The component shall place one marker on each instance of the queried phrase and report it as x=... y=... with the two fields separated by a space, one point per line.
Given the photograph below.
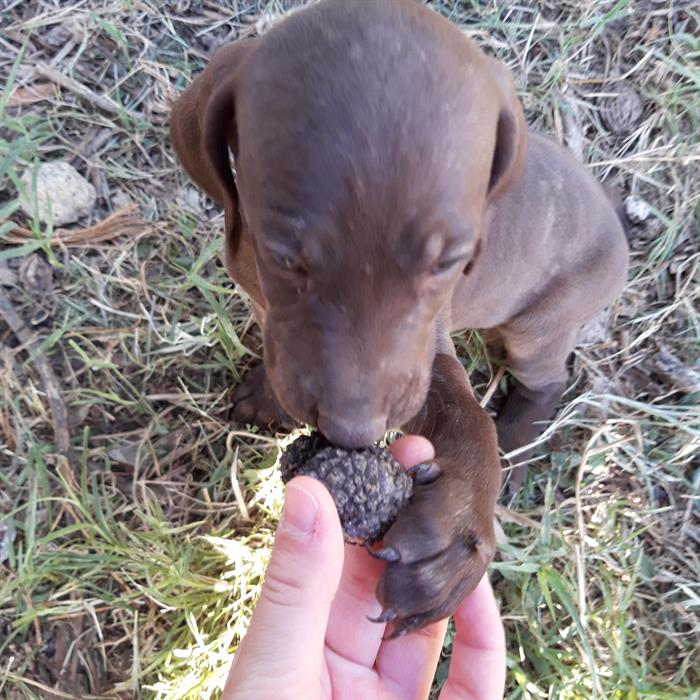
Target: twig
x=92 y=142
x=46 y=374
x=237 y=491
x=580 y=547
x=507 y=515
x=73 y=85
x=30 y=681
x=492 y=387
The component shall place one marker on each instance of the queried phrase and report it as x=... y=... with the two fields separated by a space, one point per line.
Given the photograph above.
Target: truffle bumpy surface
x=369 y=486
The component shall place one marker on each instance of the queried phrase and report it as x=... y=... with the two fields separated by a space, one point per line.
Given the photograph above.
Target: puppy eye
x=446 y=264
x=287 y=260
x=292 y=265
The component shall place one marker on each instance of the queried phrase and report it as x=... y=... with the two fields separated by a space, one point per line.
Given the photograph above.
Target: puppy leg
x=538 y=342
x=254 y=402
x=538 y=364
x=442 y=543
x=540 y=338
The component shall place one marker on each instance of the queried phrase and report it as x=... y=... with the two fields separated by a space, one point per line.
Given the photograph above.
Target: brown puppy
x=387 y=193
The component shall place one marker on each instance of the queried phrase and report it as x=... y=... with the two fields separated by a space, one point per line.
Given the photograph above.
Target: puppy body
x=388 y=193
x=553 y=231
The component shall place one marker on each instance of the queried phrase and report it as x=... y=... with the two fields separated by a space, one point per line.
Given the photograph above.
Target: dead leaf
x=7 y=276
x=128 y=453
x=30 y=94
x=36 y=276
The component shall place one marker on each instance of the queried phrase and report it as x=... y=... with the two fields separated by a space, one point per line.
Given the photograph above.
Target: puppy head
x=367 y=151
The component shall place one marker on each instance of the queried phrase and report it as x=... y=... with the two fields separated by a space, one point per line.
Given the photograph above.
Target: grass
x=130 y=568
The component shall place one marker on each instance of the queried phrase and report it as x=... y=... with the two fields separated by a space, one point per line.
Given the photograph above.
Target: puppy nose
x=351 y=433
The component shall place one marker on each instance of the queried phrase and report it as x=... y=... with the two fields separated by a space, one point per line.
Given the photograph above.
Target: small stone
x=68 y=30
x=7 y=537
x=637 y=210
x=189 y=199
x=621 y=110
x=120 y=199
x=58 y=36
x=62 y=194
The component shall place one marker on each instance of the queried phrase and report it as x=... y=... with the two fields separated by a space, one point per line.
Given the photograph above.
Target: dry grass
x=129 y=567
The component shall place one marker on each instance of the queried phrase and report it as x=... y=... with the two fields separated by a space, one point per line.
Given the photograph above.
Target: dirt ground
x=136 y=519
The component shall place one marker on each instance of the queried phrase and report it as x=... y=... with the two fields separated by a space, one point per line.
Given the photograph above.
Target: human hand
x=310 y=636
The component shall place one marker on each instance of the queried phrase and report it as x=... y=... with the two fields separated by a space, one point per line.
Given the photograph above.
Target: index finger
x=350 y=634
x=478 y=666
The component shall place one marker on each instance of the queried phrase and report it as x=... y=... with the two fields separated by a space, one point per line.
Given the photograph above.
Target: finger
x=412 y=449
x=289 y=622
x=408 y=664
x=350 y=634
x=478 y=666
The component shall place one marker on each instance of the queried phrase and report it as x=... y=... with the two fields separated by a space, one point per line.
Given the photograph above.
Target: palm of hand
x=311 y=636
x=357 y=661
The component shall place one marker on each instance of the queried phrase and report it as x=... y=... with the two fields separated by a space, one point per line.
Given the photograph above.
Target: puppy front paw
x=254 y=403
x=437 y=552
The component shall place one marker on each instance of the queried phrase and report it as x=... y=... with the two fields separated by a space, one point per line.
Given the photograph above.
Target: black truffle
x=369 y=486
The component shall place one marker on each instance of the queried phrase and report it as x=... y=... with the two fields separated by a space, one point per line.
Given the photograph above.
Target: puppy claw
x=385 y=616
x=396 y=632
x=406 y=625
x=388 y=554
x=425 y=472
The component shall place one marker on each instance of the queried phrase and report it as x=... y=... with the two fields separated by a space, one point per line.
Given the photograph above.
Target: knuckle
x=283 y=587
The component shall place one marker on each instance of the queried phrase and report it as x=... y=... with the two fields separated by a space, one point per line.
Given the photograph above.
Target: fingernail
x=300 y=511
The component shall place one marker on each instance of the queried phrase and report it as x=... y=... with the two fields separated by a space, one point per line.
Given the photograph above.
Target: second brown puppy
x=387 y=193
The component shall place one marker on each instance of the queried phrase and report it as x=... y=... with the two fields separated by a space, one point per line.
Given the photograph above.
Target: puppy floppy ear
x=511 y=135
x=203 y=126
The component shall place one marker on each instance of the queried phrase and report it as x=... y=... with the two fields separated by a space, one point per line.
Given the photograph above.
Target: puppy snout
x=351 y=433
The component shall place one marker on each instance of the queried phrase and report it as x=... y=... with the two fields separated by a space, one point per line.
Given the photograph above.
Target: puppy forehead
x=364 y=74
x=337 y=145
x=363 y=120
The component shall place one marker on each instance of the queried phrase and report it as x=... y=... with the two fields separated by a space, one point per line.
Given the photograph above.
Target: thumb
x=288 y=627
